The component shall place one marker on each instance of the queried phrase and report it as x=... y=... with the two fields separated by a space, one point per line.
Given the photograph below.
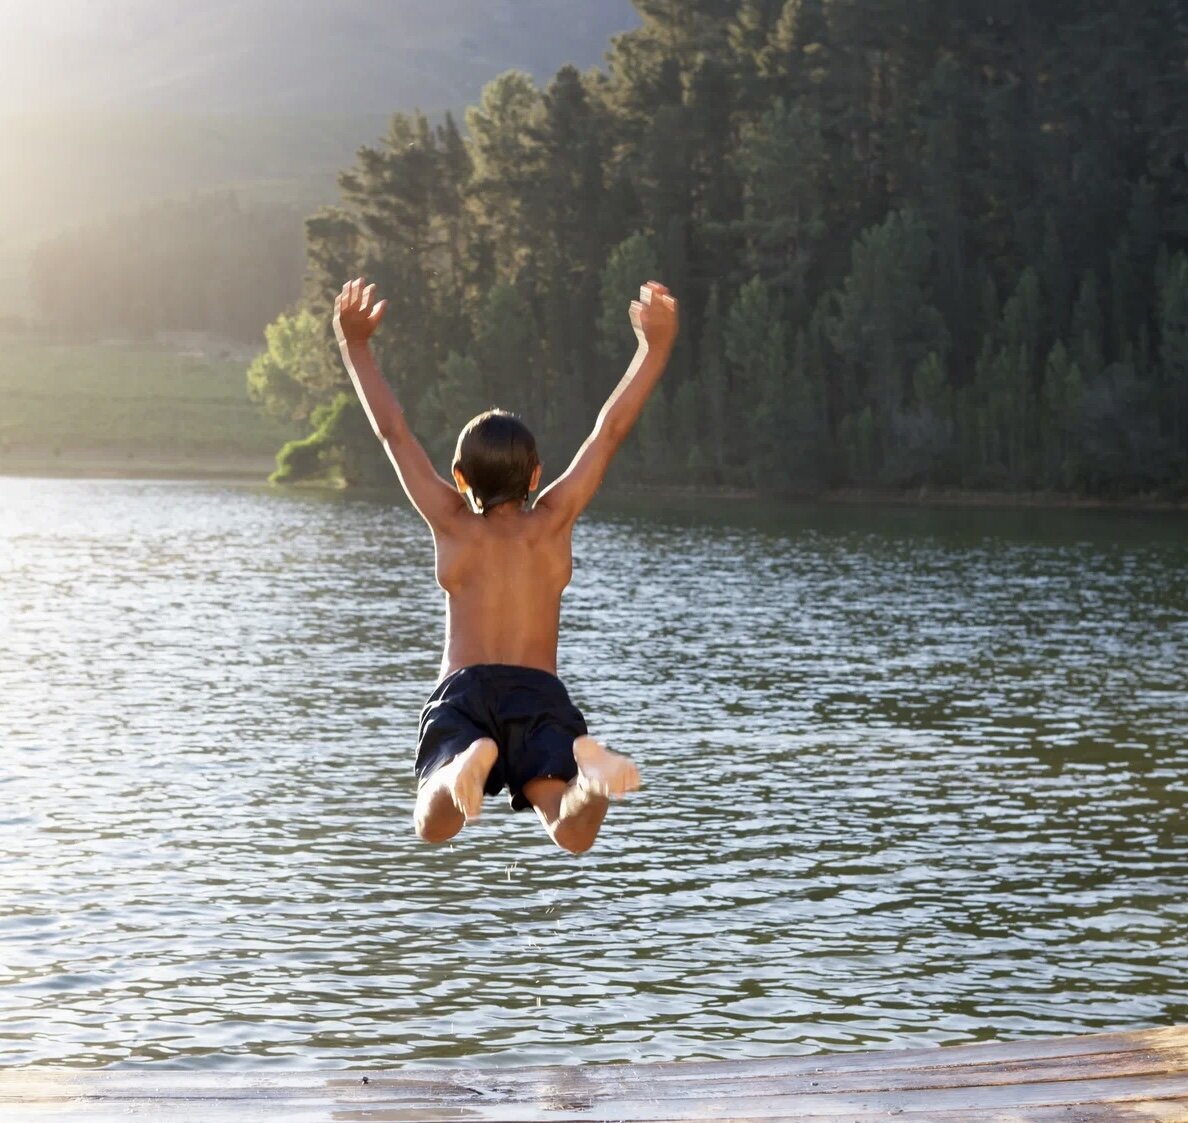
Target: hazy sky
x=290 y=55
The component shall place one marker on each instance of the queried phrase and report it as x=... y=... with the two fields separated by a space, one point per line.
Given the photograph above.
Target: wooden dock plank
x=1162 y=1110
x=1124 y=1078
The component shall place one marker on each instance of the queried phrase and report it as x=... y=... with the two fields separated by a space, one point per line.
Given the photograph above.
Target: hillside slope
x=270 y=99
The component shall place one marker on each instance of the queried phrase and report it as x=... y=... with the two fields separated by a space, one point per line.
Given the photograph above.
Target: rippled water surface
x=910 y=777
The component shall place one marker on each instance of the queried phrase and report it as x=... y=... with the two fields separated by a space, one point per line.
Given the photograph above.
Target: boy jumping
x=499 y=715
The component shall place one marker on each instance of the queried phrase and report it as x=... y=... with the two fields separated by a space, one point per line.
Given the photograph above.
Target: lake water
x=910 y=777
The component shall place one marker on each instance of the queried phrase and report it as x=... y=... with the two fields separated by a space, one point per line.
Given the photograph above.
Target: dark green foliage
x=885 y=324
x=338 y=449
x=916 y=244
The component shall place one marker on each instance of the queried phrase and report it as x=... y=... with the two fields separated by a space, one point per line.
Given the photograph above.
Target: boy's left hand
x=356 y=312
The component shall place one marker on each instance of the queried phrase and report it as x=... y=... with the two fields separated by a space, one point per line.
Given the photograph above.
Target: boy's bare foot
x=603 y=772
x=466 y=774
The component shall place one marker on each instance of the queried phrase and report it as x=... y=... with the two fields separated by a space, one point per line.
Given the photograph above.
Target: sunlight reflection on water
x=909 y=777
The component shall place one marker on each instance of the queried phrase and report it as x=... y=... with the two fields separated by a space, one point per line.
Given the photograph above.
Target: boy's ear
x=460 y=481
x=534 y=483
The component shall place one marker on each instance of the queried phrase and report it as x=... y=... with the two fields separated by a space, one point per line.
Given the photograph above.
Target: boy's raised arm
x=654 y=317
x=356 y=316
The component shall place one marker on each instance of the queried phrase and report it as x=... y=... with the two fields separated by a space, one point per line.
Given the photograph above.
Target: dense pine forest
x=917 y=243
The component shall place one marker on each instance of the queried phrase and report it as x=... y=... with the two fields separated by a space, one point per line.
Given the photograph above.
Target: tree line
x=916 y=243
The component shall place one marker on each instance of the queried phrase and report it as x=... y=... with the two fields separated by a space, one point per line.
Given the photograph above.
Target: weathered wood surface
x=1101 y=1078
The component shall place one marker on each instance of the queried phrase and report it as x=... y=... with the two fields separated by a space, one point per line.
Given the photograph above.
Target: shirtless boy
x=499 y=715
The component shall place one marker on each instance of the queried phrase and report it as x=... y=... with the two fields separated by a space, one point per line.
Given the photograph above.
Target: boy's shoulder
x=532 y=524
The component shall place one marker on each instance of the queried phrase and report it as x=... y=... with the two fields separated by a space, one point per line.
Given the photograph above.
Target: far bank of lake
x=125 y=410
x=257 y=467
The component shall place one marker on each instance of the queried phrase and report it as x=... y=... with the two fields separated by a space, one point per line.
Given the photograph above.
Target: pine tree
x=756 y=346
x=885 y=323
x=782 y=165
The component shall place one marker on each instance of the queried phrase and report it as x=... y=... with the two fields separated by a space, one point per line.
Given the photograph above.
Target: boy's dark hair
x=496 y=453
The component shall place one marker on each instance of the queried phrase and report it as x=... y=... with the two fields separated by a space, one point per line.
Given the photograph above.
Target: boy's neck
x=504 y=509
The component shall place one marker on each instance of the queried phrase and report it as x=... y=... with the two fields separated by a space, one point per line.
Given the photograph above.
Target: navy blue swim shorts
x=525 y=711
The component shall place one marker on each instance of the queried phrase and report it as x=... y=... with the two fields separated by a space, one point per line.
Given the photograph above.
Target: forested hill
x=916 y=243
x=110 y=108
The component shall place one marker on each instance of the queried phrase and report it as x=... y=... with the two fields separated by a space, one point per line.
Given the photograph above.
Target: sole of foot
x=604 y=772
x=468 y=775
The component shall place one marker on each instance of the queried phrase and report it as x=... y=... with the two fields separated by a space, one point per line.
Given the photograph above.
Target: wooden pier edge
x=1116 y=1077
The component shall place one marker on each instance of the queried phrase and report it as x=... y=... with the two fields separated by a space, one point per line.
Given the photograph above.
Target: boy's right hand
x=654 y=316
x=356 y=312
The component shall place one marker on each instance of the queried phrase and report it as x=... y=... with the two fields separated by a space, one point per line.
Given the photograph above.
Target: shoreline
x=912 y=497
x=256 y=469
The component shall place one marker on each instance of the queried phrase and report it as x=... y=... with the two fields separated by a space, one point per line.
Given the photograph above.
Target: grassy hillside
x=114 y=409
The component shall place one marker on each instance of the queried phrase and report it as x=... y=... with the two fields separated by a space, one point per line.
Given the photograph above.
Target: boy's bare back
x=503 y=575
